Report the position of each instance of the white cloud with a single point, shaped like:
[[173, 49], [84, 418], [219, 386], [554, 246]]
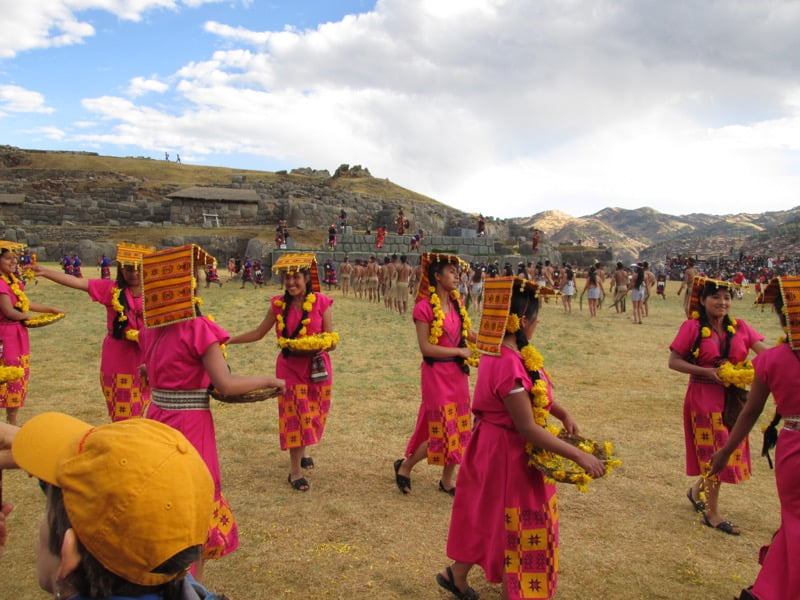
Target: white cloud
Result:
[[19, 100], [49, 133], [502, 106], [140, 86]]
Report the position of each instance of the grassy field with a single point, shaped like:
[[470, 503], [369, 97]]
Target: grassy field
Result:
[[353, 535]]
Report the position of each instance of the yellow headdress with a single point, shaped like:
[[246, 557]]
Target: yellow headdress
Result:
[[291, 263], [132, 254]]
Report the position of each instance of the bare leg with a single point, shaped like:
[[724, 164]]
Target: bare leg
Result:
[[11, 416], [296, 471], [409, 462]]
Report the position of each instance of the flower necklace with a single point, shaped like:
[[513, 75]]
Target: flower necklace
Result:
[[437, 325], [308, 304], [534, 363], [22, 304], [131, 334]]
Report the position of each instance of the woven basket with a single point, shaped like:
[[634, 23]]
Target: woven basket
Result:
[[562, 469], [253, 396], [42, 320]]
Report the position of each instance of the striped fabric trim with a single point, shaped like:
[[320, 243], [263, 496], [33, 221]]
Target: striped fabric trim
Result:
[[496, 305], [180, 399], [789, 289], [290, 263]]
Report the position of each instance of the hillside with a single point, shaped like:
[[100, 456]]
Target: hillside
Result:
[[57, 177]]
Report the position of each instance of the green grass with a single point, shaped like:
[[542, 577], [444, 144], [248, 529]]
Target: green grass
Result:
[[633, 535]]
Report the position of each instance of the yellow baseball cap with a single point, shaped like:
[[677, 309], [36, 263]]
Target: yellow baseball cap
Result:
[[136, 492]]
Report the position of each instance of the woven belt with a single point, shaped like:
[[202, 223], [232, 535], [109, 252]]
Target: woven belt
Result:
[[180, 399], [792, 422]]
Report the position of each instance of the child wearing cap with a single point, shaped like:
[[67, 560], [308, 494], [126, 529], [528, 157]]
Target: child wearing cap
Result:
[[183, 357], [777, 371], [126, 392], [502, 502], [128, 506]]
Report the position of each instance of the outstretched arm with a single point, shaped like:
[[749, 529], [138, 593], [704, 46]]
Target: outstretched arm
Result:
[[61, 278], [258, 333]]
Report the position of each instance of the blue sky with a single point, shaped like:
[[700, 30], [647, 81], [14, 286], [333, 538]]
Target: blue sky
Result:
[[506, 107]]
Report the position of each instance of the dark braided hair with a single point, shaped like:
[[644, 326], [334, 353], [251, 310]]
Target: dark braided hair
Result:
[[709, 289], [437, 267], [524, 304]]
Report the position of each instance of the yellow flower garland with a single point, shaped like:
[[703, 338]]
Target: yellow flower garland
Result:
[[303, 342], [22, 303], [437, 325], [131, 334], [556, 467], [512, 326]]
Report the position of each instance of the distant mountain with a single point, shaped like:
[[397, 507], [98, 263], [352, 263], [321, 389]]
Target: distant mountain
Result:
[[648, 233]]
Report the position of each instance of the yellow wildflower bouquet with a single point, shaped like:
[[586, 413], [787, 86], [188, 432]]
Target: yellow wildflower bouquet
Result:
[[11, 374], [739, 375]]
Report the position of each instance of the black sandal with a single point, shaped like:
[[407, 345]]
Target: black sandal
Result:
[[451, 491], [699, 505], [450, 586], [306, 462], [301, 485], [403, 482]]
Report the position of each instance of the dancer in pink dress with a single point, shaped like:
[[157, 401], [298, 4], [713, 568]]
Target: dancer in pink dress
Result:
[[303, 323], [125, 391], [505, 517], [15, 307], [183, 355], [705, 341], [777, 372], [444, 424]]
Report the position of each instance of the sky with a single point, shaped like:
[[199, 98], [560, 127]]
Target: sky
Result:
[[504, 107]]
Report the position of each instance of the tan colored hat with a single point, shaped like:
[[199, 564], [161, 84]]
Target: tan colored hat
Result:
[[789, 288], [169, 284], [291, 263], [497, 294], [136, 492]]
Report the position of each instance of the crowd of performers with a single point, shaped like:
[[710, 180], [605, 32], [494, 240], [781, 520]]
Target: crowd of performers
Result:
[[488, 436]]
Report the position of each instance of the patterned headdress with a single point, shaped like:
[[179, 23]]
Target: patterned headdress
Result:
[[698, 284], [497, 306], [169, 284], [15, 247], [431, 257], [789, 289], [132, 254], [291, 263]]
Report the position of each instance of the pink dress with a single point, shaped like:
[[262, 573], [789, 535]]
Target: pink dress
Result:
[[704, 432], [126, 394], [304, 406], [505, 517], [443, 420], [174, 358], [16, 352], [779, 578]]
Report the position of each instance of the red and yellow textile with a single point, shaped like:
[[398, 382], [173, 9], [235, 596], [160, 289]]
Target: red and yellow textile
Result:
[[698, 283], [497, 295], [291, 263], [789, 289], [14, 247], [425, 260], [169, 284], [132, 254]]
